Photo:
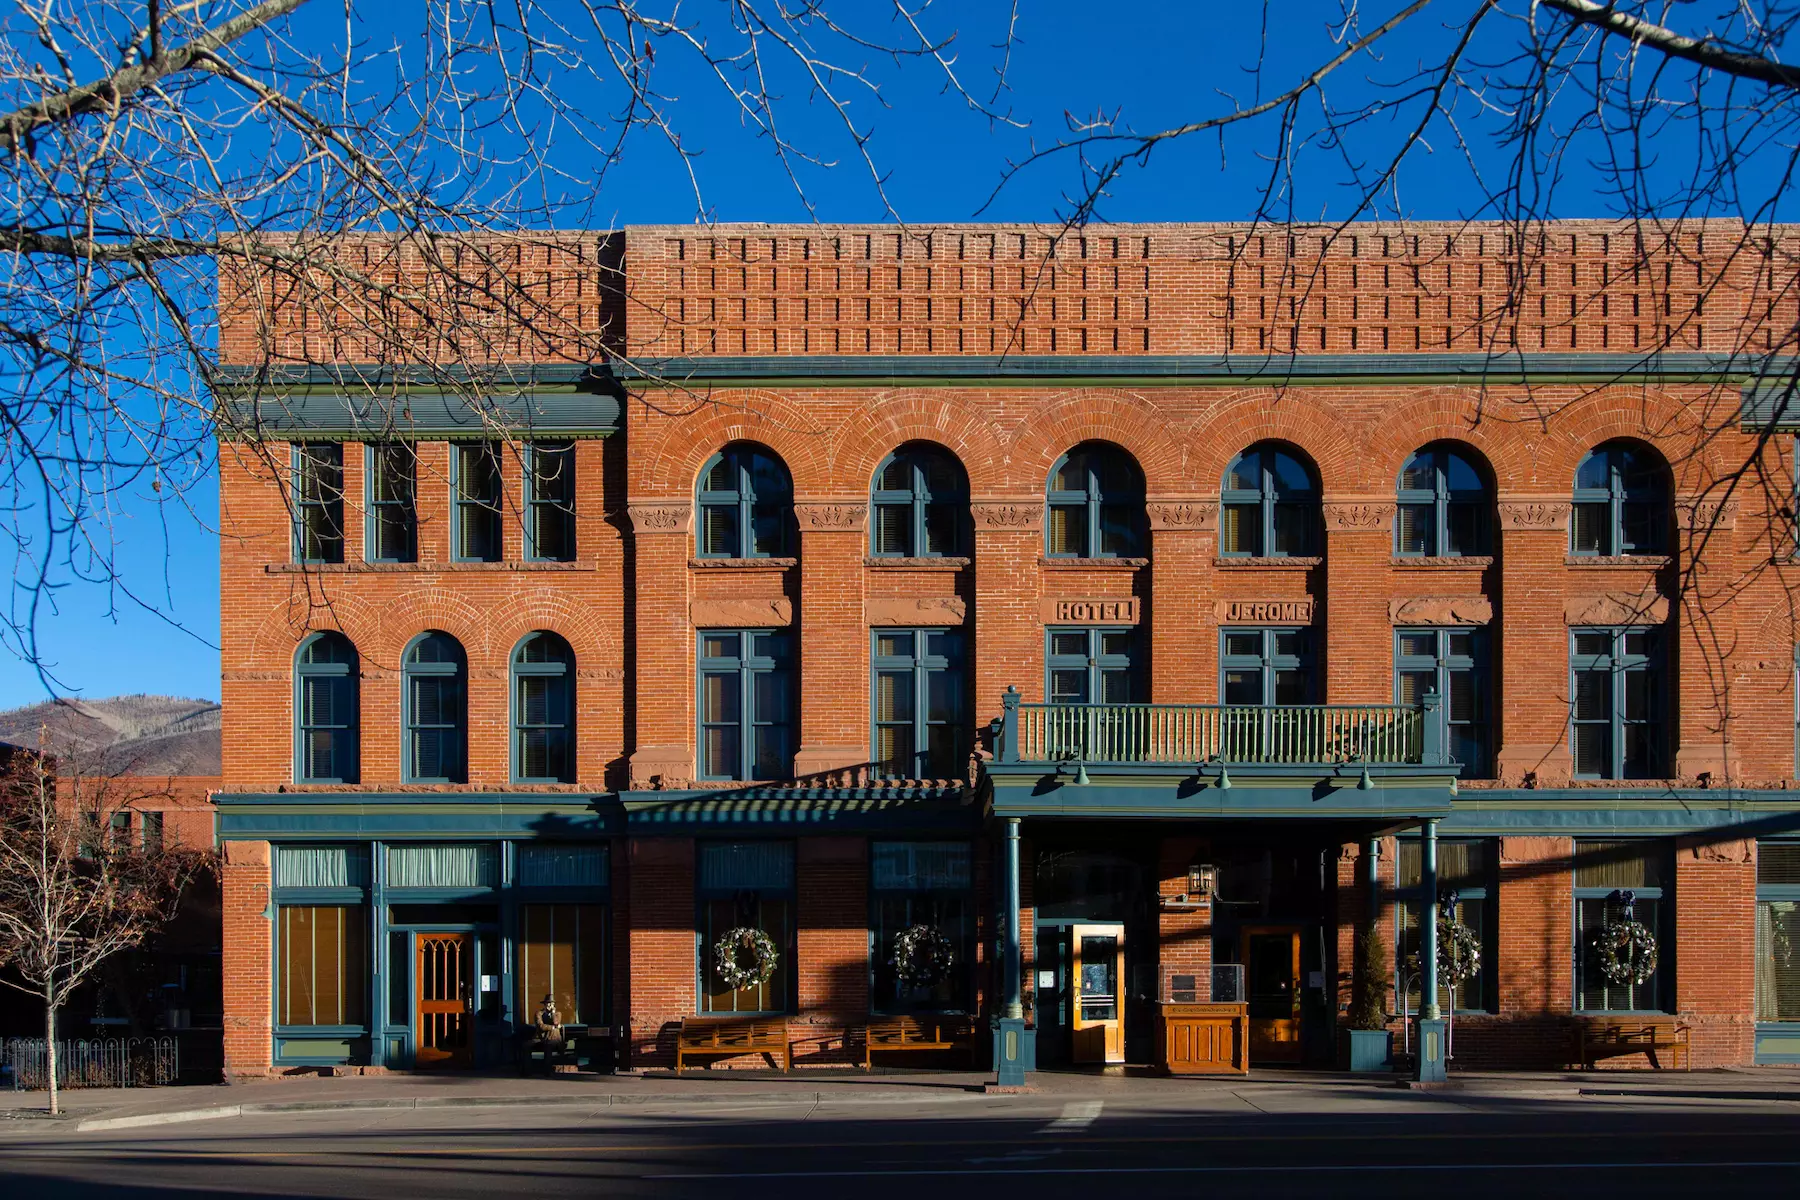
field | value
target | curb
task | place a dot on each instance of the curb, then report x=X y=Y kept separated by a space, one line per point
x=606 y=1100
x=1790 y=1097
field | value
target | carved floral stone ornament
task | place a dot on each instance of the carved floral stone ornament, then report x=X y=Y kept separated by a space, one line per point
x=1008 y=514
x=1182 y=514
x=1358 y=516
x=1534 y=514
x=1701 y=515
x=1441 y=610
x=831 y=517
x=1616 y=608
x=659 y=517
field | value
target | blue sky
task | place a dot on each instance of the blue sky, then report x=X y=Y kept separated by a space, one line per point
x=1156 y=65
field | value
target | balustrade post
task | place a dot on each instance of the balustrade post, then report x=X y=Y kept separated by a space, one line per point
x=1434 y=751
x=1009 y=725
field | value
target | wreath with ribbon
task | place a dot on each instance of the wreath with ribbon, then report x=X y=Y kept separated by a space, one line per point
x=922 y=956
x=1626 y=950
x=1458 y=950
x=745 y=958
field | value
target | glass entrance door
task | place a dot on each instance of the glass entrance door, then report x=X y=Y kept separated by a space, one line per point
x=1272 y=977
x=1099 y=1011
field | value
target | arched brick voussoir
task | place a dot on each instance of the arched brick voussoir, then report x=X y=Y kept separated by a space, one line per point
x=1647 y=415
x=428 y=608
x=668 y=452
x=892 y=419
x=1064 y=421
x=547 y=611
x=303 y=613
x=1450 y=414
x=1263 y=414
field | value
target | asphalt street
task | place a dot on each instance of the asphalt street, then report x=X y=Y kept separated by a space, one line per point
x=1246 y=1142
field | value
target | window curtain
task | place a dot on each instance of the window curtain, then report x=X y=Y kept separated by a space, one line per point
x=920 y=866
x=473 y=866
x=321 y=867
x=564 y=866
x=746 y=866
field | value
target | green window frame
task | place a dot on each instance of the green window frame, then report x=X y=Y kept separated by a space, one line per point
x=318 y=488
x=322 y=978
x=1452 y=662
x=390 y=500
x=918 y=702
x=1646 y=868
x=1777 y=932
x=1269 y=504
x=1621 y=502
x=746 y=501
x=476 y=532
x=1442 y=505
x=434 y=698
x=550 y=501
x=543 y=710
x=1616 y=716
x=746 y=704
x=327 y=717
x=1266 y=667
x=1098 y=665
x=921 y=883
x=919 y=505
x=745 y=885
x=151 y=831
x=1468 y=866
x=562 y=953
x=1094 y=504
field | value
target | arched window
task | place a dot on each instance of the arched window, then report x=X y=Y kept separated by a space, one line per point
x=543 y=710
x=1095 y=504
x=1442 y=506
x=435 y=710
x=1270 y=505
x=1621 y=501
x=746 y=504
x=921 y=504
x=325 y=710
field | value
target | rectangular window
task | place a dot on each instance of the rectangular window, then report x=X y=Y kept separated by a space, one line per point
x=918 y=700
x=746 y=704
x=152 y=832
x=1778 y=931
x=550 y=501
x=913 y=884
x=1101 y=669
x=391 y=482
x=319 y=502
x=1453 y=663
x=1615 y=720
x=476 y=511
x=323 y=959
x=1465 y=867
x=746 y=886
x=119 y=829
x=1604 y=871
x=562 y=955
x=1265 y=666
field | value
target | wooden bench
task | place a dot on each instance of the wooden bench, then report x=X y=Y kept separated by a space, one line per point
x=918 y=1033
x=1595 y=1040
x=580 y=1050
x=718 y=1037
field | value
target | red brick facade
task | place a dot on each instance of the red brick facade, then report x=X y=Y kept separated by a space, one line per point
x=630 y=601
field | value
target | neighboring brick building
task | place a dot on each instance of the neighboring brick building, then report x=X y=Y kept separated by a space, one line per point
x=705 y=634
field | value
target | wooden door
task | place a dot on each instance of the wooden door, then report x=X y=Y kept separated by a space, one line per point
x=1099 y=979
x=446 y=1001
x=1272 y=978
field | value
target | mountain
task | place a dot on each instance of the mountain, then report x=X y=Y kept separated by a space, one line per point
x=137 y=735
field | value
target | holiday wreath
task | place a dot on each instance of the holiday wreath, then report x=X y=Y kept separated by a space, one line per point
x=745 y=958
x=1626 y=950
x=1458 y=950
x=922 y=956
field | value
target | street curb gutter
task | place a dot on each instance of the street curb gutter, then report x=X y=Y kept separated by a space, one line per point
x=607 y=1100
x=1691 y=1094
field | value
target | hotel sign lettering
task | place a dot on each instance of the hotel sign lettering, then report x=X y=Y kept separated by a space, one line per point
x=1265 y=612
x=1092 y=612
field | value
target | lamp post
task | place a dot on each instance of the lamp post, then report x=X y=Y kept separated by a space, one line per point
x=1009 y=1032
x=1428 y=1063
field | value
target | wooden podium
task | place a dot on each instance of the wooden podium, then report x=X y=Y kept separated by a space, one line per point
x=1203 y=1039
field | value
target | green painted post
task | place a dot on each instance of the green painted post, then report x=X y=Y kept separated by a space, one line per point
x=1009 y=725
x=1010 y=1029
x=1428 y=1062
x=1434 y=751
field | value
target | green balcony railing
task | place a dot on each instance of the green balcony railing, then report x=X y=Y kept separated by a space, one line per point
x=1196 y=733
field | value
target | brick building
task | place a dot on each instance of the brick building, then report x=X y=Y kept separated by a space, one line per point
x=1226 y=569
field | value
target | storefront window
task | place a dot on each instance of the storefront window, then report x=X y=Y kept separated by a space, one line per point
x=324 y=962
x=746 y=885
x=919 y=883
x=562 y=954
x=1465 y=868
x=1778 y=931
x=1603 y=871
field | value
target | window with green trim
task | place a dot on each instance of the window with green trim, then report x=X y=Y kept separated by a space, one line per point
x=920 y=883
x=322 y=965
x=917 y=692
x=1616 y=719
x=476 y=509
x=391 y=486
x=1603 y=871
x=746 y=885
x=746 y=704
x=326 y=708
x=1269 y=505
x=920 y=504
x=1621 y=502
x=1443 y=505
x=1265 y=666
x=543 y=669
x=746 y=502
x=1777 y=931
x=318 y=502
x=1095 y=504
x=562 y=956
x=550 y=501
x=435 y=709
x=1452 y=663
x=1468 y=869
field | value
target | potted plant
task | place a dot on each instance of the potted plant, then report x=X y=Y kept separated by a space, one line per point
x=1366 y=1035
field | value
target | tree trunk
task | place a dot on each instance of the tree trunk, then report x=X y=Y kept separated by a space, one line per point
x=50 y=1048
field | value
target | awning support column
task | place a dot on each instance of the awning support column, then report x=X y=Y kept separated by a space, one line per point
x=1428 y=1064
x=1009 y=1050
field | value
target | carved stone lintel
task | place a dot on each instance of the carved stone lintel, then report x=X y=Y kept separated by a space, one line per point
x=661 y=516
x=1008 y=514
x=1738 y=852
x=1539 y=515
x=1441 y=610
x=1358 y=516
x=916 y=610
x=832 y=517
x=1616 y=608
x=741 y=614
x=1701 y=514
x=1183 y=514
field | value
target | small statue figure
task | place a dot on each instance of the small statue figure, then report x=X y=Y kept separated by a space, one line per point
x=547 y=1029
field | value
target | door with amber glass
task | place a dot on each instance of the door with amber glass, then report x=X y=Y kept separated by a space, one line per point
x=1272 y=976
x=446 y=1006
x=1099 y=975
